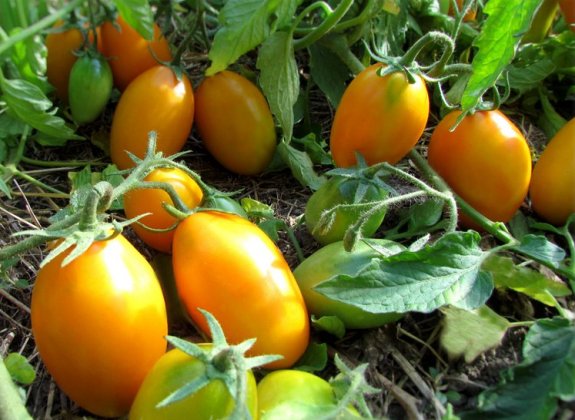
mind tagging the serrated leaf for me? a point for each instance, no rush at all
(279, 78)
(497, 43)
(331, 324)
(20, 369)
(444, 273)
(526, 78)
(524, 280)
(328, 72)
(27, 102)
(138, 14)
(546, 374)
(470, 333)
(539, 247)
(300, 165)
(315, 148)
(314, 358)
(245, 24)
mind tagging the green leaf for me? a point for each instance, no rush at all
(546, 374)
(245, 24)
(314, 358)
(445, 273)
(138, 14)
(470, 333)
(315, 148)
(524, 280)
(540, 248)
(301, 166)
(497, 43)
(328, 72)
(28, 103)
(20, 369)
(331, 324)
(279, 78)
(526, 78)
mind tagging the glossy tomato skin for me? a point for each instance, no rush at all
(156, 100)
(61, 46)
(342, 190)
(145, 200)
(290, 392)
(380, 117)
(175, 369)
(99, 324)
(231, 268)
(235, 123)
(89, 88)
(332, 260)
(485, 160)
(552, 189)
(129, 53)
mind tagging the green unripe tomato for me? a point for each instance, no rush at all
(89, 87)
(343, 190)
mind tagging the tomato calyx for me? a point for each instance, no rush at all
(223, 362)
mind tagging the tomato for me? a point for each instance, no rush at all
(146, 200)
(552, 189)
(61, 46)
(171, 372)
(568, 10)
(469, 16)
(99, 324)
(380, 117)
(90, 86)
(235, 123)
(129, 53)
(343, 190)
(332, 260)
(295, 395)
(155, 100)
(485, 160)
(231, 268)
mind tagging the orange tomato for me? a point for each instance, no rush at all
(146, 200)
(231, 268)
(129, 53)
(469, 16)
(552, 189)
(156, 100)
(568, 10)
(61, 46)
(100, 324)
(485, 160)
(380, 117)
(235, 123)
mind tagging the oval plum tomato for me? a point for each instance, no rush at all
(333, 260)
(156, 100)
(61, 46)
(552, 189)
(171, 372)
(485, 160)
(147, 200)
(89, 87)
(382, 118)
(343, 190)
(231, 268)
(235, 123)
(568, 10)
(100, 324)
(295, 395)
(129, 53)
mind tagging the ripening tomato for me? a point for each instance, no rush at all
(235, 123)
(485, 160)
(296, 395)
(228, 266)
(380, 117)
(129, 53)
(568, 10)
(339, 190)
(100, 324)
(552, 189)
(156, 100)
(469, 16)
(90, 87)
(61, 46)
(147, 200)
(170, 373)
(333, 260)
